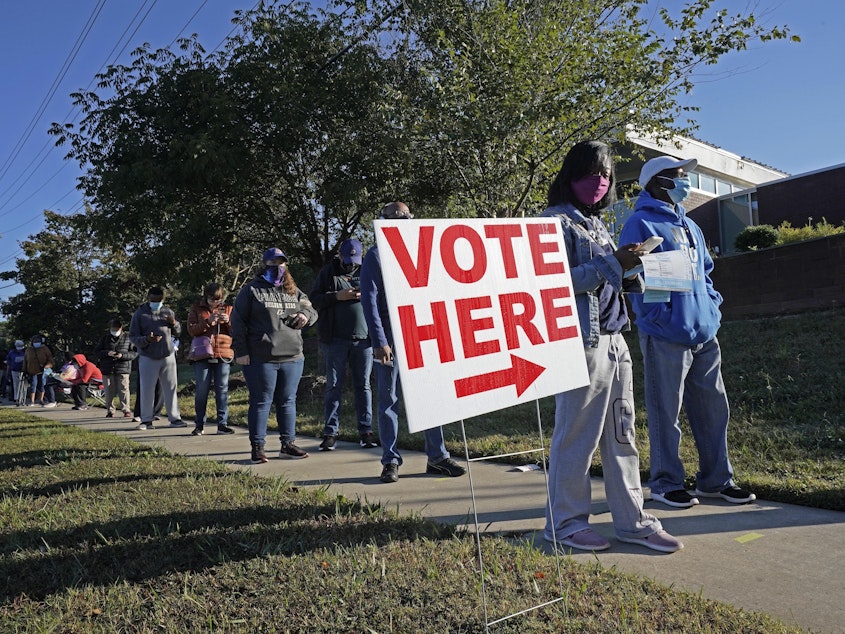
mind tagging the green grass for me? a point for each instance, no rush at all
(99, 534)
(784, 381)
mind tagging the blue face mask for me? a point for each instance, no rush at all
(156, 306)
(681, 189)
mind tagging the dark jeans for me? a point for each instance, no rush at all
(204, 373)
(358, 354)
(272, 384)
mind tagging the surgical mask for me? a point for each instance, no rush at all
(681, 189)
(115, 333)
(275, 274)
(36, 344)
(156, 306)
(590, 189)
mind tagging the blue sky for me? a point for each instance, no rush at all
(779, 104)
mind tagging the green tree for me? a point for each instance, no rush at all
(72, 287)
(512, 84)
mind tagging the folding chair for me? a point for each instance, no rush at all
(23, 389)
(95, 391)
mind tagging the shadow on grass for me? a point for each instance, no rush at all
(141, 548)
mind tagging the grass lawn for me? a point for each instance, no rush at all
(98, 534)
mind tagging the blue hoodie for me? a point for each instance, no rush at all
(690, 317)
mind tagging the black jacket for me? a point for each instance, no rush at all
(120, 344)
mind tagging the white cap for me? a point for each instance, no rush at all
(653, 167)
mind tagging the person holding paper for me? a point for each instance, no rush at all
(374, 304)
(600, 415)
(682, 358)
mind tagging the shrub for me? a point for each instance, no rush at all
(753, 238)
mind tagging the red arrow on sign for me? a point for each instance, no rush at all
(521, 374)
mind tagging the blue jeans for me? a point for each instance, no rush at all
(204, 374)
(389, 390)
(676, 374)
(272, 384)
(359, 355)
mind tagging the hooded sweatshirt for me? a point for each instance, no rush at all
(689, 318)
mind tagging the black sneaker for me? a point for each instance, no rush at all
(290, 451)
(731, 494)
(390, 473)
(225, 429)
(258, 455)
(328, 443)
(197, 431)
(447, 467)
(680, 499)
(369, 440)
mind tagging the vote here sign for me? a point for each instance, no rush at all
(483, 314)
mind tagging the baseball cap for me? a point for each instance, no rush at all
(350, 251)
(656, 165)
(274, 253)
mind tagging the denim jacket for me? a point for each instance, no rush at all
(588, 272)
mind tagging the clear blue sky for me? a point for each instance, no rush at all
(779, 104)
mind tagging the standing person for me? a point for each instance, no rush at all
(37, 357)
(600, 415)
(115, 353)
(209, 317)
(681, 355)
(267, 321)
(336, 295)
(151, 331)
(388, 387)
(14, 365)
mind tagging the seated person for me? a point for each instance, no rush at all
(76, 374)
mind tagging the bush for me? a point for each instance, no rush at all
(753, 238)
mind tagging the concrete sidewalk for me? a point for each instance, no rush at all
(784, 560)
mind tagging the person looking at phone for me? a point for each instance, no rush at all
(209, 317)
(344, 339)
(599, 416)
(151, 331)
(267, 319)
(681, 355)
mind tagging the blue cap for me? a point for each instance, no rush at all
(274, 253)
(351, 251)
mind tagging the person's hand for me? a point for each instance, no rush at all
(383, 354)
(244, 360)
(298, 321)
(348, 294)
(627, 256)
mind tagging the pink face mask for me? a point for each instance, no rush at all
(590, 189)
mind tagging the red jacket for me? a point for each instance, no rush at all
(221, 334)
(87, 371)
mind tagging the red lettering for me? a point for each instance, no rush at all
(417, 276)
(469, 326)
(414, 334)
(539, 248)
(514, 320)
(554, 313)
(447, 252)
(505, 234)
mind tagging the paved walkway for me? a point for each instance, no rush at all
(784, 560)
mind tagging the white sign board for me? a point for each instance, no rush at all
(482, 312)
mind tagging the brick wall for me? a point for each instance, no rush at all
(788, 279)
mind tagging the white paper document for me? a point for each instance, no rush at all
(667, 271)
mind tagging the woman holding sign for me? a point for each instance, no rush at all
(600, 415)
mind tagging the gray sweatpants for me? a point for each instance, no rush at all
(600, 415)
(150, 371)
